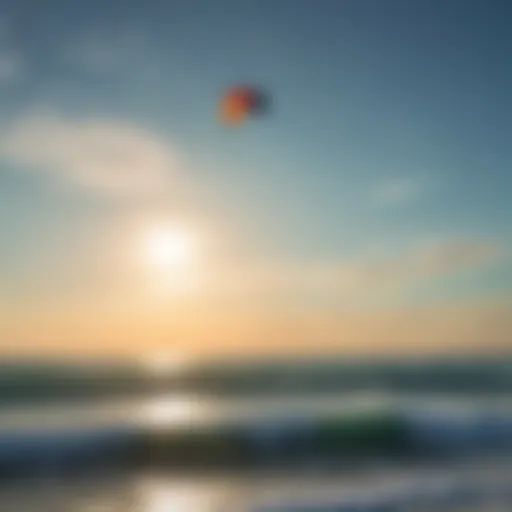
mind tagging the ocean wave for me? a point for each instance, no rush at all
(334, 432)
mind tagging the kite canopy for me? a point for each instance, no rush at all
(240, 103)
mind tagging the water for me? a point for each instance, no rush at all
(461, 445)
(413, 490)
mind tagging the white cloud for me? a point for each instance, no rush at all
(397, 191)
(101, 156)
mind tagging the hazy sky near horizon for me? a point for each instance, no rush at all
(370, 210)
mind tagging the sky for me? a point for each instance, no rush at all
(368, 211)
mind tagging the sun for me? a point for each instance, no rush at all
(171, 257)
(169, 248)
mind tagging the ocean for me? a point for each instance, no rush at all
(260, 437)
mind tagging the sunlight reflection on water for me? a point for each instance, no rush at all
(173, 493)
(167, 496)
(172, 412)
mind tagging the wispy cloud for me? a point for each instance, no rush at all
(397, 191)
(420, 264)
(11, 66)
(96, 155)
(360, 280)
(12, 63)
(107, 52)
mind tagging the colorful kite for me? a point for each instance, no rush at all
(240, 103)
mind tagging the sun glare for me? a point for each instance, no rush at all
(170, 248)
(171, 255)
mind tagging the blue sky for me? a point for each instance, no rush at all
(388, 140)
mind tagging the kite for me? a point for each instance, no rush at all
(240, 103)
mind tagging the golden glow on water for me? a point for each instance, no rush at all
(166, 363)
